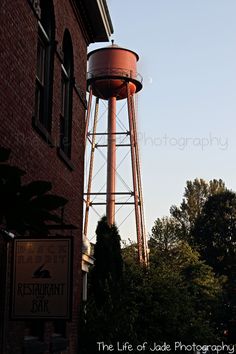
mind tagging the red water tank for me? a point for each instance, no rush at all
(109, 71)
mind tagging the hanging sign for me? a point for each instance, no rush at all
(42, 274)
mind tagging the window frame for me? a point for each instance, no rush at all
(42, 119)
(66, 110)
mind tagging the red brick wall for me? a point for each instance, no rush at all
(18, 43)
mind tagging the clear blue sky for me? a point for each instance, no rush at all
(187, 108)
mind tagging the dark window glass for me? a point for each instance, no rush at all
(66, 96)
(44, 73)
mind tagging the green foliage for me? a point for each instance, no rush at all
(165, 234)
(189, 293)
(196, 194)
(214, 232)
(102, 315)
(207, 219)
(108, 267)
(177, 298)
(25, 207)
(180, 297)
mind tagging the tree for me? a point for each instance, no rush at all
(165, 234)
(201, 290)
(196, 194)
(108, 267)
(26, 207)
(100, 319)
(176, 299)
(214, 234)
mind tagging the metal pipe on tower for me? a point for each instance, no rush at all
(111, 161)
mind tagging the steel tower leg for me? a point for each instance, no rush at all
(134, 176)
(139, 181)
(111, 161)
(88, 114)
(91, 164)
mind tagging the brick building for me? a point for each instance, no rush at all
(43, 52)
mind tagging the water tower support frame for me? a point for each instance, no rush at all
(113, 76)
(111, 170)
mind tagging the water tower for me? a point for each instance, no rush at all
(112, 76)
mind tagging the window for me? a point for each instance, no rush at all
(67, 79)
(44, 73)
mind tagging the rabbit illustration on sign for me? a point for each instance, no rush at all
(41, 273)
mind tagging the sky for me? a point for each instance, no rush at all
(186, 110)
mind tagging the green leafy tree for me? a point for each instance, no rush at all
(214, 234)
(193, 291)
(165, 234)
(176, 299)
(196, 194)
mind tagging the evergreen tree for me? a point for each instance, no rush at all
(107, 270)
